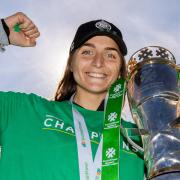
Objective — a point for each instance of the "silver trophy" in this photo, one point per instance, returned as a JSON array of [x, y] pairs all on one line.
[[154, 98]]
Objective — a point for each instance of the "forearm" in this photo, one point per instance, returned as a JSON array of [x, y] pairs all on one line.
[[3, 37]]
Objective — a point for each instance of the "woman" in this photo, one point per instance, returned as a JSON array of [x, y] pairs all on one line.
[[39, 138]]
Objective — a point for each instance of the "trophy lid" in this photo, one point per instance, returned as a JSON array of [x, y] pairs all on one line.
[[150, 53]]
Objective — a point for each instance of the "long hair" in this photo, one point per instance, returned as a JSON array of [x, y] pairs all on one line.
[[67, 85]]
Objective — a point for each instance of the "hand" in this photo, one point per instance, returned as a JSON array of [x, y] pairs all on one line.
[[28, 33]]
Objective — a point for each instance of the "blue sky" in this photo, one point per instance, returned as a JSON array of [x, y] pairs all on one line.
[[39, 69]]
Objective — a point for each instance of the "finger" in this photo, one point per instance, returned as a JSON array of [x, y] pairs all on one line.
[[30, 42], [26, 23], [31, 32], [29, 26], [36, 35], [23, 20]]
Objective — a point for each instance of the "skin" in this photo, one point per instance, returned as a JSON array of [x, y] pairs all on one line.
[[28, 34], [96, 65]]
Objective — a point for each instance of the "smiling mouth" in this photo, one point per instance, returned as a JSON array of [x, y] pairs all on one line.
[[96, 75]]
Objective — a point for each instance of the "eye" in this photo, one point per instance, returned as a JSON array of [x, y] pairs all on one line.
[[87, 52], [111, 55]]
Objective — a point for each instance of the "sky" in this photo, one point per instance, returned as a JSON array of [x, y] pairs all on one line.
[[38, 70]]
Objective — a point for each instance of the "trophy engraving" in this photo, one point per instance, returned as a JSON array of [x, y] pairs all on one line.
[[154, 98]]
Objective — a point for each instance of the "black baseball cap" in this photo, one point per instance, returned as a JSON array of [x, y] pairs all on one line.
[[98, 28]]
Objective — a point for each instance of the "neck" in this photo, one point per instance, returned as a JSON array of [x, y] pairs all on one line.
[[88, 100]]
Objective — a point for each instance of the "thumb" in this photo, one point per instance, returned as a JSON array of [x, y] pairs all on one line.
[[31, 42]]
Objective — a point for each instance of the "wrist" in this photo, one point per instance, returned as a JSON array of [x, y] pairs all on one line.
[[3, 37], [6, 29]]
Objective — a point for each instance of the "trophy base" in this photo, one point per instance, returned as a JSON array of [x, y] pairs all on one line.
[[163, 154], [168, 176]]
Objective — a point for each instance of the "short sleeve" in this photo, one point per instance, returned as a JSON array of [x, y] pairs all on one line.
[[9, 103]]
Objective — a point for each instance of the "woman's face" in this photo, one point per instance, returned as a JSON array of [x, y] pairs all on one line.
[[96, 64]]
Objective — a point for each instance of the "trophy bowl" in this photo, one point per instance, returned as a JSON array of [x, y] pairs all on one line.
[[153, 94]]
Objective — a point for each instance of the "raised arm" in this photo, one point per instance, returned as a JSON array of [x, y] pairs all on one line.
[[28, 33]]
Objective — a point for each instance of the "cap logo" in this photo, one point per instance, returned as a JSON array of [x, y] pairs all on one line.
[[72, 46], [102, 25]]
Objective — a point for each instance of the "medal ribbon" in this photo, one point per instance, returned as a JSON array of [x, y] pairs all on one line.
[[111, 131], [89, 169], [108, 167]]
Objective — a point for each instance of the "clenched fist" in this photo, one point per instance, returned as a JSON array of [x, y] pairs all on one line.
[[28, 33]]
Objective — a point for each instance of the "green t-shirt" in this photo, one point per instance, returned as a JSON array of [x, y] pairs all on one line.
[[38, 140]]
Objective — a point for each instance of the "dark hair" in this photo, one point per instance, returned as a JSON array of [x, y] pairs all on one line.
[[67, 85]]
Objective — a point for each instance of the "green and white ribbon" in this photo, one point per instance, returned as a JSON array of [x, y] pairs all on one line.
[[111, 131]]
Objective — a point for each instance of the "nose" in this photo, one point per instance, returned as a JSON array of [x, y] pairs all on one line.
[[98, 61]]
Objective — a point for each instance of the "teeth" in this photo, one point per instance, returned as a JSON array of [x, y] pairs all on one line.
[[96, 75]]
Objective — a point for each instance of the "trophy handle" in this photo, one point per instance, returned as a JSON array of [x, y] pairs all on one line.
[[135, 132], [140, 132]]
